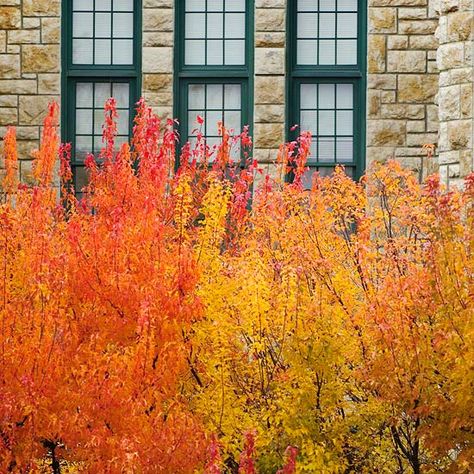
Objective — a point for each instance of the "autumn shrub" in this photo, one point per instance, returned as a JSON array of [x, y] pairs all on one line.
[[196, 319]]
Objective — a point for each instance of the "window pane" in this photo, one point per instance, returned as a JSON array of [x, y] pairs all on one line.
[[100, 24], [344, 96], [103, 25], [347, 52], [326, 96], [195, 52], [232, 96], [123, 25], [121, 93], [215, 25], [221, 28], [307, 52], [215, 53], [195, 25], [325, 150], [308, 96], [102, 94], [83, 25], [235, 52], [84, 95], [123, 52], [85, 5], [232, 121], [344, 122], [327, 53], [82, 51], [344, 149], [307, 25], [326, 122], [332, 30], [214, 96], [235, 25], [83, 147], [103, 52], [309, 121], [327, 25], [347, 25], [84, 121], [196, 96]]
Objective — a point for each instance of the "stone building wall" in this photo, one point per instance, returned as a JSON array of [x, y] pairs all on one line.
[[404, 85], [455, 96], [402, 80], [270, 65], [29, 69]]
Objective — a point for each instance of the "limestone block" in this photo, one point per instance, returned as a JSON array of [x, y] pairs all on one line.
[[33, 108], [157, 19], [423, 42], [8, 115], [18, 86], [270, 3], [50, 30], [388, 97], [267, 19], [270, 39], [268, 135], [268, 113], [9, 66], [417, 27], [270, 61], [157, 60], [10, 18], [397, 42], [41, 7], [379, 154], [415, 126], [269, 90], [386, 132], [466, 163], [406, 61], [460, 26], [23, 36], [158, 3], [40, 58], [8, 100], [420, 139], [412, 13], [376, 54], [466, 100], [157, 82], [432, 121], [459, 134], [414, 88], [450, 56], [403, 111], [382, 81], [373, 103], [158, 38], [390, 3], [49, 84], [382, 20]]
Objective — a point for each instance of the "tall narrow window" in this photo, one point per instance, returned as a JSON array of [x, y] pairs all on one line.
[[326, 81], [101, 59], [213, 66]]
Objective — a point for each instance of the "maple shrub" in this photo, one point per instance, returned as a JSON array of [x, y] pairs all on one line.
[[214, 318]]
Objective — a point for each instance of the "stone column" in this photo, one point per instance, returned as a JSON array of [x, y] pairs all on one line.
[[29, 70], [269, 115], [456, 89], [157, 68]]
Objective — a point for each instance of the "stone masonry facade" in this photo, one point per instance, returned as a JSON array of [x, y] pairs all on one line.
[[29, 69], [419, 76]]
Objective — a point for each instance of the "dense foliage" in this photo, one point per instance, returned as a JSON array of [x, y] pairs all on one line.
[[198, 321]]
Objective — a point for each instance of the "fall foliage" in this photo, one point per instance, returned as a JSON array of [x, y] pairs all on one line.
[[208, 318]]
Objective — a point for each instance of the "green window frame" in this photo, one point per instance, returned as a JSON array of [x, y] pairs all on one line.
[[105, 30], [191, 72], [326, 63]]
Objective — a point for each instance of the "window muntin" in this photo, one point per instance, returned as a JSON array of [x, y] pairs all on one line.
[[102, 32], [213, 68], [326, 32], [214, 32], [327, 81], [89, 100], [110, 67], [215, 102]]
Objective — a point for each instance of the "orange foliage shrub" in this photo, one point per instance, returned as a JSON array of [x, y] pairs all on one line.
[[175, 322]]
